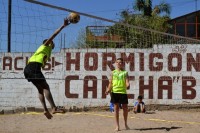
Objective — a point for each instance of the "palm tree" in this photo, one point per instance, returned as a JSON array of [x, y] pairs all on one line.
[[155, 18], [145, 6]]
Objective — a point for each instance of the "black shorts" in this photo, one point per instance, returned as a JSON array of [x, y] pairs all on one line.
[[119, 98], [32, 72]]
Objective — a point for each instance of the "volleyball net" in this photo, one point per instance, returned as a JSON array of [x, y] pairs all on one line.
[[34, 21]]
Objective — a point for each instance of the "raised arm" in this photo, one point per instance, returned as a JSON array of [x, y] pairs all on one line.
[[66, 22]]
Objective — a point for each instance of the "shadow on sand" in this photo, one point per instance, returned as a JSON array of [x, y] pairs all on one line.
[[158, 128]]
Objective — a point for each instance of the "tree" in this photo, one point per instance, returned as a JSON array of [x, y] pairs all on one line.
[[134, 35], [81, 40], [145, 6], [155, 19]]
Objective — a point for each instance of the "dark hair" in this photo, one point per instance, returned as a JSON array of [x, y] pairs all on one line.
[[120, 59], [139, 97], [44, 41]]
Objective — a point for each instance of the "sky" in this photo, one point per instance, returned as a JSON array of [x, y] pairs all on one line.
[[109, 8], [32, 23]]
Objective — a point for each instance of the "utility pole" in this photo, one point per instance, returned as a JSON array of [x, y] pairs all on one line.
[[9, 24]]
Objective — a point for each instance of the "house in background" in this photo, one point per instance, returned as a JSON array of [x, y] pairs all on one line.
[[187, 25]]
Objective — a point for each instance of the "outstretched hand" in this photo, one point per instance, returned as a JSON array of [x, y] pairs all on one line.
[[66, 22]]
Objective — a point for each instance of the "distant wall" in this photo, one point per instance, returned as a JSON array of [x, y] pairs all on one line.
[[165, 74]]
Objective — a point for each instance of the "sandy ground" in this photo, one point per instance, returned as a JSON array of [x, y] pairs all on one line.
[[101, 122]]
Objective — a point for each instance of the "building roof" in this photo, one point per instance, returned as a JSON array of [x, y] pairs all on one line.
[[185, 15]]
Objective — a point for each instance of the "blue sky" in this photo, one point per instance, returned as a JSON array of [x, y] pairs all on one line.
[[32, 23], [109, 8]]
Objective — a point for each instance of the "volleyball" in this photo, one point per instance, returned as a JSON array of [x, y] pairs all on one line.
[[74, 18]]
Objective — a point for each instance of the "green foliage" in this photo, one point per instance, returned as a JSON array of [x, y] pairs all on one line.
[[140, 32], [153, 20]]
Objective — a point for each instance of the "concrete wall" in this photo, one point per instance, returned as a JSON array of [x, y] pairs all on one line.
[[165, 74]]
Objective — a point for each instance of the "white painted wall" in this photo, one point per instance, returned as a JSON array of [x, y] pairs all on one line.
[[15, 91]]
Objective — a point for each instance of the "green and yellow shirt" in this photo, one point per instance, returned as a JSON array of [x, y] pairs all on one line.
[[38, 56], [119, 81]]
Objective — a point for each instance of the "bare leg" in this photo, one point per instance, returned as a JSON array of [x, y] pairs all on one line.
[[125, 113], [116, 110], [49, 97], [135, 109], [141, 108], [42, 100]]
